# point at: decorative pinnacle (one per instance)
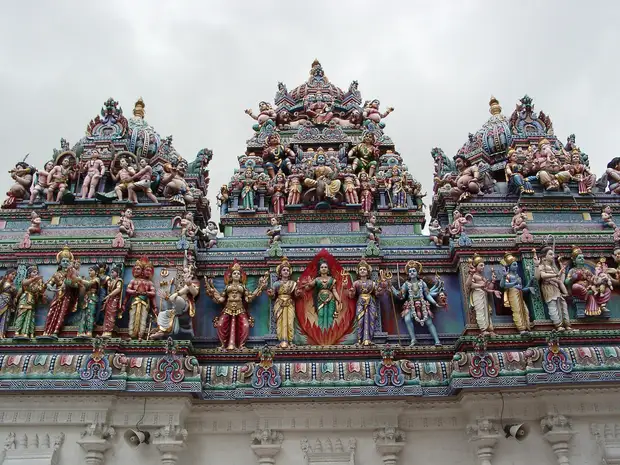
(494, 106)
(138, 109)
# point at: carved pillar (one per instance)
(266, 444)
(608, 438)
(557, 431)
(95, 441)
(389, 442)
(170, 440)
(484, 435)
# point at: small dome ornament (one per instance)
(138, 109)
(494, 106)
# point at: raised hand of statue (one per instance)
(271, 293)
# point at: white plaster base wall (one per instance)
(579, 428)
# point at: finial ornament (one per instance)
(138, 109)
(494, 106)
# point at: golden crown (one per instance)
(476, 260)
(576, 252)
(364, 264)
(508, 259)
(64, 253)
(284, 263)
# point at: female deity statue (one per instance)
(367, 192)
(293, 186)
(552, 288)
(39, 189)
(233, 325)
(89, 303)
(22, 175)
(581, 173)
(112, 302)
(8, 293)
(327, 302)
(277, 189)
(276, 157)
(418, 300)
(351, 185)
(363, 156)
(517, 182)
(284, 291)
(32, 292)
(512, 285)
(580, 280)
(141, 295)
(248, 187)
(479, 290)
(65, 284)
(364, 290)
(396, 187)
(323, 179)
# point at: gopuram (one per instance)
(315, 321)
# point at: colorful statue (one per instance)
(40, 187)
(396, 189)
(327, 302)
(418, 300)
(372, 230)
(233, 325)
(112, 308)
(607, 217)
(372, 114)
(123, 178)
(277, 188)
(512, 285)
(266, 115)
(276, 157)
(351, 185)
(457, 229)
(283, 293)
(318, 107)
(65, 284)
(189, 229)
(88, 307)
(222, 199)
(8, 294)
(275, 231)
(22, 175)
(613, 175)
(125, 223)
(479, 290)
(364, 290)
(519, 220)
(32, 292)
(552, 288)
(367, 192)
(581, 283)
(517, 182)
(142, 182)
(363, 156)
(293, 186)
(94, 169)
(210, 233)
(35, 223)
(581, 174)
(248, 185)
(141, 295)
(59, 178)
(467, 181)
(174, 186)
(436, 232)
(323, 179)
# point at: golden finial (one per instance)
(494, 106)
(138, 109)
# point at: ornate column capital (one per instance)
(32, 449)
(170, 440)
(389, 442)
(558, 431)
(484, 434)
(608, 438)
(95, 441)
(266, 444)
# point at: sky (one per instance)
(199, 64)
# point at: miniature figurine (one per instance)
(327, 301)
(363, 156)
(601, 284)
(142, 182)
(552, 288)
(513, 289)
(607, 217)
(248, 186)
(59, 178)
(35, 223)
(479, 290)
(372, 230)
(233, 324)
(284, 291)
(188, 227)
(141, 296)
(365, 290)
(266, 115)
(275, 231)
(211, 232)
(519, 220)
(581, 174)
(367, 192)
(456, 230)
(124, 178)
(40, 187)
(351, 185)
(22, 175)
(8, 295)
(32, 292)
(88, 307)
(579, 280)
(396, 189)
(293, 186)
(277, 188)
(65, 284)
(112, 308)
(94, 170)
(125, 223)
(436, 232)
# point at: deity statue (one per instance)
(350, 186)
(581, 282)
(35, 223)
(248, 185)
(274, 233)
(88, 306)
(210, 233)
(397, 192)
(59, 178)
(125, 223)
(318, 107)
(276, 157)
(32, 292)
(177, 319)
(581, 173)
(457, 228)
(8, 294)
(607, 217)
(222, 199)
(123, 178)
(327, 301)
(363, 156)
(41, 185)
(436, 232)
(613, 175)
(142, 182)
(94, 169)
(371, 113)
(467, 181)
(112, 308)
(518, 183)
(141, 296)
(512, 285)
(22, 175)
(552, 288)
(372, 230)
(277, 188)
(65, 284)
(233, 325)
(323, 179)
(284, 292)
(364, 290)
(266, 115)
(418, 300)
(479, 290)
(189, 229)
(519, 220)
(293, 186)
(367, 192)
(175, 188)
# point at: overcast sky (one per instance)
(199, 64)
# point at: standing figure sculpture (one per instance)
(512, 285)
(364, 290)
(112, 308)
(552, 288)
(40, 187)
(88, 307)
(293, 186)
(363, 156)
(141, 295)
(327, 301)
(142, 182)
(94, 169)
(479, 290)
(65, 284)
(233, 325)
(125, 223)
(350, 186)
(22, 175)
(372, 230)
(396, 189)
(8, 294)
(32, 292)
(283, 293)
(248, 185)
(418, 300)
(275, 231)
(59, 178)
(367, 192)
(277, 188)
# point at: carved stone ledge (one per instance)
(608, 438)
(389, 442)
(95, 441)
(484, 434)
(333, 453)
(32, 449)
(169, 441)
(266, 444)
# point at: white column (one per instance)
(169, 441)
(557, 430)
(266, 444)
(608, 438)
(484, 434)
(95, 441)
(389, 442)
